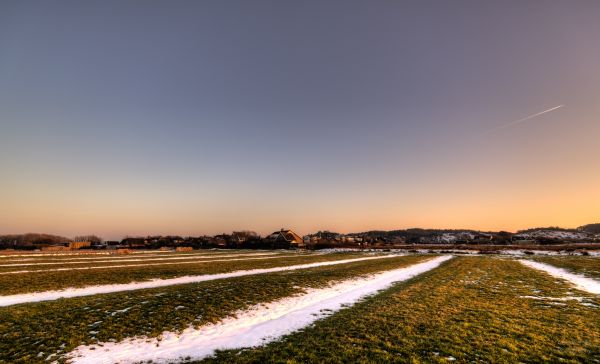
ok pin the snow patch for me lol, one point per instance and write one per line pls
(558, 299)
(581, 282)
(121, 311)
(250, 328)
(140, 259)
(146, 264)
(155, 283)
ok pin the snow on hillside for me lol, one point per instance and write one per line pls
(555, 234)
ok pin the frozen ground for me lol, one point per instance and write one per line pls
(140, 259)
(254, 327)
(80, 253)
(126, 257)
(581, 282)
(111, 288)
(191, 261)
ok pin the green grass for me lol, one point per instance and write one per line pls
(589, 266)
(27, 329)
(43, 281)
(39, 258)
(131, 261)
(470, 309)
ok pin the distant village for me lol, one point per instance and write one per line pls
(288, 239)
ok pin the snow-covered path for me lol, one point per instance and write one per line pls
(137, 259)
(256, 326)
(141, 254)
(581, 282)
(155, 283)
(191, 261)
(92, 253)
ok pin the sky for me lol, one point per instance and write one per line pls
(202, 117)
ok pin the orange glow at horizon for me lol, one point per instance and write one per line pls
(202, 120)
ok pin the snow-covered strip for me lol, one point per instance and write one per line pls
(556, 299)
(46, 254)
(40, 258)
(535, 252)
(80, 253)
(250, 328)
(192, 261)
(579, 281)
(155, 283)
(104, 252)
(141, 259)
(113, 256)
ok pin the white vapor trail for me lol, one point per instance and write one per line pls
(525, 119)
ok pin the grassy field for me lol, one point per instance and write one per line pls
(61, 325)
(588, 266)
(471, 308)
(40, 257)
(79, 264)
(53, 280)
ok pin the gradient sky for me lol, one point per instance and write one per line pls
(202, 117)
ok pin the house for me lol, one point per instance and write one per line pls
(285, 238)
(222, 240)
(238, 237)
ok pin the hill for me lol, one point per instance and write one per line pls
(590, 228)
(30, 240)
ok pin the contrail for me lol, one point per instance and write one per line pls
(524, 119)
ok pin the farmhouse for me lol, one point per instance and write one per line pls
(285, 238)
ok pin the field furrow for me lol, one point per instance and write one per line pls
(64, 324)
(146, 263)
(151, 258)
(56, 280)
(253, 327)
(470, 309)
(155, 283)
(586, 265)
(579, 281)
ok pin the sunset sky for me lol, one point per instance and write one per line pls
(202, 117)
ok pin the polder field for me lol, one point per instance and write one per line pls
(243, 306)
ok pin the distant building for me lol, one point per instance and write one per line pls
(222, 240)
(285, 238)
